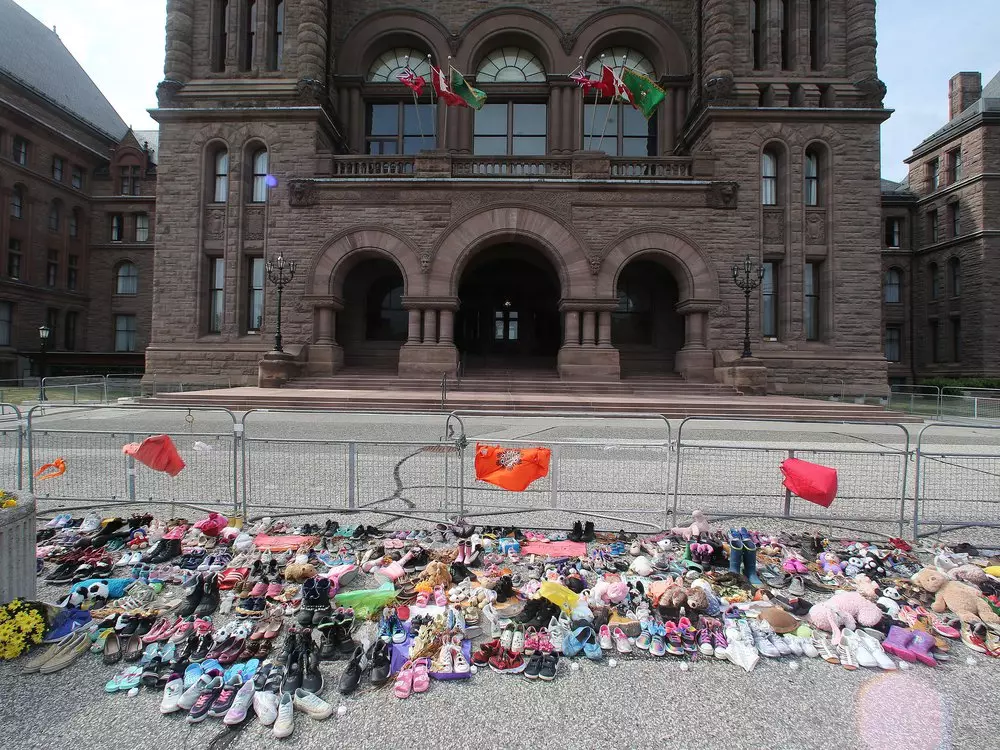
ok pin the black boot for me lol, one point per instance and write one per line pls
(576, 534)
(530, 610)
(193, 599)
(209, 595)
(588, 532)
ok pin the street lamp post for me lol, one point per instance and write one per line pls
(280, 273)
(43, 336)
(747, 276)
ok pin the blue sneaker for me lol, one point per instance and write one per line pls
(65, 622)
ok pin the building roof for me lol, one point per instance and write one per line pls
(35, 57)
(990, 102)
(150, 138)
(891, 187)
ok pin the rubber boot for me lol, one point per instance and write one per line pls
(921, 647)
(735, 558)
(750, 566)
(899, 643)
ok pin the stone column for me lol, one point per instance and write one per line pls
(311, 40)
(430, 327)
(413, 329)
(325, 326)
(668, 123)
(589, 332)
(719, 42)
(694, 337)
(447, 327)
(178, 63)
(325, 357)
(356, 122)
(680, 109)
(860, 42)
(604, 329)
(572, 335)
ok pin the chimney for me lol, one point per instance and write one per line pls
(964, 90)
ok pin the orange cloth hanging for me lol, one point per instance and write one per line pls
(157, 452)
(511, 468)
(51, 470)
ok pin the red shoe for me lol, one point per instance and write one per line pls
(486, 652)
(900, 544)
(507, 662)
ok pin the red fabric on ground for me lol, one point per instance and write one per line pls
(511, 468)
(812, 482)
(555, 549)
(157, 452)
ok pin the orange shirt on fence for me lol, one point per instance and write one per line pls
(511, 468)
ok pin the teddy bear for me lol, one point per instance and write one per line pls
(962, 599)
(830, 563)
(700, 526)
(846, 610)
(299, 572)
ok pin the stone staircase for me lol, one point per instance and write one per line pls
(527, 391)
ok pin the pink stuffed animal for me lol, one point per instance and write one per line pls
(844, 610)
(700, 526)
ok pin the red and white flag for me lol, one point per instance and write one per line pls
(442, 86)
(412, 81)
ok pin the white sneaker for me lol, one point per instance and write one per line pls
(860, 650)
(794, 644)
(311, 704)
(190, 696)
(284, 723)
(91, 523)
(172, 693)
(241, 704)
(517, 642)
(808, 649)
(882, 659)
(265, 705)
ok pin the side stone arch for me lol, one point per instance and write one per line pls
(696, 277)
(326, 277)
(531, 226)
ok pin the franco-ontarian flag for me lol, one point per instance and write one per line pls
(644, 94)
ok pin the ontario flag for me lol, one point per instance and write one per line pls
(511, 468)
(412, 81)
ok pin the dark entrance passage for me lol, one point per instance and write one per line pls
(646, 328)
(509, 312)
(373, 324)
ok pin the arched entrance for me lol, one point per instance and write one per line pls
(508, 315)
(646, 328)
(373, 324)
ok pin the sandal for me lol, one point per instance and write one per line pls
(404, 681)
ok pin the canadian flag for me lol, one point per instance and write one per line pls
(442, 86)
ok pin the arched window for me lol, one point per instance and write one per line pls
(510, 65)
(249, 35)
(55, 214)
(277, 26)
(628, 133)
(955, 277)
(934, 280)
(769, 177)
(220, 176)
(220, 36)
(386, 318)
(892, 286)
(387, 66)
(74, 223)
(17, 202)
(811, 188)
(126, 279)
(258, 192)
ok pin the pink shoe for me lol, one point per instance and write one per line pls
(460, 557)
(404, 682)
(531, 644)
(259, 589)
(273, 589)
(423, 598)
(421, 679)
(439, 598)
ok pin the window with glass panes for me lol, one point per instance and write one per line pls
(277, 47)
(258, 193)
(769, 179)
(116, 227)
(216, 293)
(811, 317)
(130, 180)
(6, 322)
(812, 179)
(220, 180)
(14, 258)
(57, 169)
(893, 340)
(955, 165)
(54, 212)
(934, 170)
(510, 128)
(127, 279)
(19, 151)
(933, 226)
(401, 128)
(72, 272)
(17, 203)
(893, 286)
(74, 223)
(619, 130)
(954, 219)
(142, 227)
(934, 280)
(769, 301)
(893, 227)
(76, 177)
(955, 277)
(52, 268)
(255, 295)
(124, 333)
(70, 334)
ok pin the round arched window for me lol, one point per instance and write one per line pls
(391, 63)
(619, 58)
(510, 65)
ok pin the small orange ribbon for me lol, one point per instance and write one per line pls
(52, 470)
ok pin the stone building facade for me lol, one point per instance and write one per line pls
(941, 244)
(77, 190)
(544, 230)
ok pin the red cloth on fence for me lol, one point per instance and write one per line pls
(812, 482)
(511, 468)
(157, 452)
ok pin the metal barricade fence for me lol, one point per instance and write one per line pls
(297, 462)
(98, 473)
(608, 466)
(957, 477)
(11, 447)
(731, 468)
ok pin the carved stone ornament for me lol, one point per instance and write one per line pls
(720, 90)
(301, 193)
(872, 91)
(425, 263)
(310, 91)
(595, 265)
(723, 195)
(568, 42)
(454, 42)
(815, 228)
(774, 227)
(166, 91)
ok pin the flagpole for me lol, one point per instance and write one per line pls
(607, 117)
(416, 110)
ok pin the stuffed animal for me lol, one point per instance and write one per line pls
(437, 574)
(969, 573)
(845, 610)
(964, 600)
(866, 587)
(299, 572)
(697, 598)
(830, 563)
(700, 526)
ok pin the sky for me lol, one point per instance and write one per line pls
(922, 44)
